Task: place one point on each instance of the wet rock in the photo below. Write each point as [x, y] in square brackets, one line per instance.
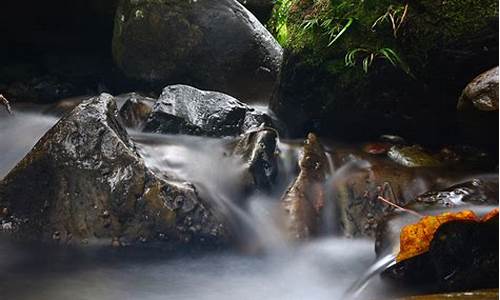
[262, 9]
[135, 109]
[481, 93]
[4, 102]
[187, 110]
[478, 192]
[463, 256]
[377, 148]
[304, 199]
[215, 45]
[412, 157]
[358, 209]
[392, 139]
[85, 181]
[258, 151]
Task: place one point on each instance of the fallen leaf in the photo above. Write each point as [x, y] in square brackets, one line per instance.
[416, 238]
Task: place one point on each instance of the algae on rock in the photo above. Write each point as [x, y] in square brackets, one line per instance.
[389, 64]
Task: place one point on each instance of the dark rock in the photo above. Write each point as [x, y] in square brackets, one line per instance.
[478, 110]
[44, 89]
[304, 199]
[262, 9]
[258, 150]
[186, 110]
[58, 25]
[481, 93]
[463, 255]
[215, 45]
[135, 109]
[85, 181]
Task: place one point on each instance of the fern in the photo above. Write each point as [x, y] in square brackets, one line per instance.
[368, 56]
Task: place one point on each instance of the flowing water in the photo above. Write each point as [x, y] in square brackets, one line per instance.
[18, 134]
[269, 267]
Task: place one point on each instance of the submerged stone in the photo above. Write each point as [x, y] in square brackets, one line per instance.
[491, 294]
[412, 157]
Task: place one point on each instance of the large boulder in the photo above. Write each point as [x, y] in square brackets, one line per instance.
[347, 66]
[84, 181]
[216, 45]
[187, 110]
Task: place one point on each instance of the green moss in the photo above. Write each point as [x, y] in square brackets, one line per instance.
[309, 27]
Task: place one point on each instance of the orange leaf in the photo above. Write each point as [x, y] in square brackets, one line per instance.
[416, 238]
[493, 213]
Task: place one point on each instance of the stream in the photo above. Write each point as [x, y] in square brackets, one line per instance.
[264, 266]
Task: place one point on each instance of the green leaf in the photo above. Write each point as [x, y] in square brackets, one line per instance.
[349, 23]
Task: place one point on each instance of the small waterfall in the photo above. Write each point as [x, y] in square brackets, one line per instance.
[330, 215]
[220, 179]
[356, 289]
[18, 134]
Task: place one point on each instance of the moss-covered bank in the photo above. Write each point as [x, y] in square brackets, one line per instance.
[380, 65]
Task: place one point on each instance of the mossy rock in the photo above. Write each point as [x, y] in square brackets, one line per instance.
[419, 66]
[213, 45]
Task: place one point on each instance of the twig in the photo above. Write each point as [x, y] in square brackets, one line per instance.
[6, 103]
[399, 207]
